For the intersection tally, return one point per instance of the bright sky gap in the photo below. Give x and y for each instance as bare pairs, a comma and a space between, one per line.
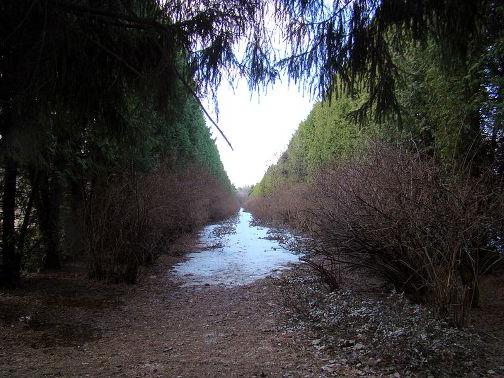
258, 125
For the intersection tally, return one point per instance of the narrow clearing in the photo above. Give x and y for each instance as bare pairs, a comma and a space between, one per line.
219, 310
206, 317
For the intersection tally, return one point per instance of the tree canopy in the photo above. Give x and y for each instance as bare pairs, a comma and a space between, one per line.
78, 47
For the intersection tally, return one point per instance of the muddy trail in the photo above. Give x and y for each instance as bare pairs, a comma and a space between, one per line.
214, 312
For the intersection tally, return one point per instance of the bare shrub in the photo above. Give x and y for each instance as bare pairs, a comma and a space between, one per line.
259, 207
181, 201
287, 206
405, 218
132, 219
115, 229
430, 232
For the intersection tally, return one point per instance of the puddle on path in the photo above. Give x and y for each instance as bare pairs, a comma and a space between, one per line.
234, 253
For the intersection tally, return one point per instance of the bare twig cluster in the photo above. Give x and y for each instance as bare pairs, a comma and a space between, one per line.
401, 215
135, 218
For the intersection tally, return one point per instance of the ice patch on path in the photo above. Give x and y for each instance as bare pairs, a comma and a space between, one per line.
243, 254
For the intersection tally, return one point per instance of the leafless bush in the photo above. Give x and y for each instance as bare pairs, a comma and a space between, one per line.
287, 206
181, 201
132, 219
405, 218
259, 207
115, 226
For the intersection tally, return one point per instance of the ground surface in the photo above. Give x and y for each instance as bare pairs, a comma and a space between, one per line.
64, 325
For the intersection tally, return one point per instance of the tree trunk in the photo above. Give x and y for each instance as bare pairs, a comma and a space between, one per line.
11, 262
74, 219
49, 205
469, 279
26, 221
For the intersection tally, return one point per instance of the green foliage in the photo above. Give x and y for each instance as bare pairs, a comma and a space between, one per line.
440, 110
176, 139
354, 42
328, 133
455, 116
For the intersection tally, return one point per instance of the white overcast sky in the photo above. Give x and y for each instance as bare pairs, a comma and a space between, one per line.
259, 126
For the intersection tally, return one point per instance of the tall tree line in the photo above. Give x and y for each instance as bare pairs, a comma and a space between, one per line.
73, 74
87, 90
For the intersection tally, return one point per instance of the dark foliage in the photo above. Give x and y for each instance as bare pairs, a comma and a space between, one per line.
89, 90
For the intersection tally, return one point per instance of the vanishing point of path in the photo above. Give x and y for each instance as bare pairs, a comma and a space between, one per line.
216, 312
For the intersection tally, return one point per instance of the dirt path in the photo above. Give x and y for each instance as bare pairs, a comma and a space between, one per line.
66, 326
181, 321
